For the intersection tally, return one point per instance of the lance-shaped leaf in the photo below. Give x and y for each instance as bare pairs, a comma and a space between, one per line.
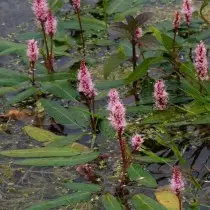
143, 202
111, 203
67, 200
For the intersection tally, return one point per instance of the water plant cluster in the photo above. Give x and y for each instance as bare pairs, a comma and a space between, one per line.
162, 68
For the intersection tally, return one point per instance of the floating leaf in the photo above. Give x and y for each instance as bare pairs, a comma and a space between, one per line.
167, 198
83, 187
62, 115
61, 89
40, 134
67, 200
42, 152
22, 96
111, 203
142, 176
116, 6
143, 202
61, 161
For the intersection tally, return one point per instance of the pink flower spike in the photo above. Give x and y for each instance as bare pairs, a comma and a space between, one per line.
136, 142
40, 9
160, 95
50, 24
201, 62
177, 20
187, 10
177, 181
117, 117
76, 5
139, 33
86, 85
113, 98
33, 51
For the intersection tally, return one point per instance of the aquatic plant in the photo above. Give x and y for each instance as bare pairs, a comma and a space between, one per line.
72, 103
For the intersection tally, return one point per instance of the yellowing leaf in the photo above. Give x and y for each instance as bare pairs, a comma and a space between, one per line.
167, 198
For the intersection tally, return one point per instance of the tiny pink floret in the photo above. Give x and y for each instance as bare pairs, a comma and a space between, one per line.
139, 33
40, 9
86, 85
177, 182
33, 51
187, 10
177, 20
160, 95
117, 117
114, 98
76, 5
201, 62
51, 24
136, 142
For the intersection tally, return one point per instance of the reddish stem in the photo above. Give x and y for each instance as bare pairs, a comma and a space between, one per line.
124, 158
92, 120
81, 31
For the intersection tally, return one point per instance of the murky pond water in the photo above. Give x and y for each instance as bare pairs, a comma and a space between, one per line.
22, 186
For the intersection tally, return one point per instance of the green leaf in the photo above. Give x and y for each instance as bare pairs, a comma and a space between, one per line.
143, 202
109, 84
22, 96
62, 115
142, 176
121, 16
59, 161
56, 76
5, 90
64, 140
41, 152
67, 200
106, 129
115, 6
81, 187
40, 134
61, 89
87, 24
113, 62
141, 70
151, 158
139, 109
12, 74
202, 120
111, 203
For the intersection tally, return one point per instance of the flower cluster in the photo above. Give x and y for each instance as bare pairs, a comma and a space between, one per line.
117, 111
40, 9
177, 181
86, 85
32, 51
201, 62
187, 10
113, 98
177, 20
136, 142
51, 24
76, 5
139, 33
160, 95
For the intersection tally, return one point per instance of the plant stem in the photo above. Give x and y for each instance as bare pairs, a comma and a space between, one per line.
32, 71
124, 158
180, 201
48, 65
51, 53
92, 120
135, 83
81, 31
